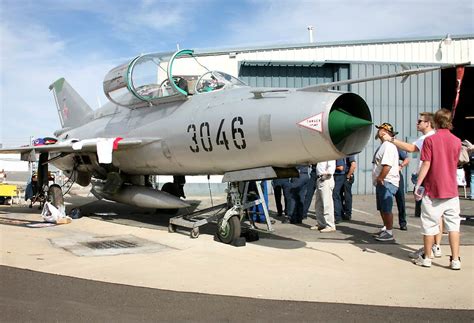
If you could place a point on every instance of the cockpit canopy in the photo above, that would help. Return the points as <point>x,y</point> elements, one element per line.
<point>149,79</point>
<point>215,80</point>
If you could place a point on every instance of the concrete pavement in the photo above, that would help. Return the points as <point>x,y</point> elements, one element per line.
<point>293,263</point>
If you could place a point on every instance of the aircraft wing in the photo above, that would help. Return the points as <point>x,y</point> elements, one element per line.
<point>87,145</point>
<point>405,74</point>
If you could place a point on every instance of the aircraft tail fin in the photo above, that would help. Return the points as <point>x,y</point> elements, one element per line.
<point>72,109</point>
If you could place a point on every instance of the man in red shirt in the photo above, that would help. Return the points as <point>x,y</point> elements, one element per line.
<point>439,156</point>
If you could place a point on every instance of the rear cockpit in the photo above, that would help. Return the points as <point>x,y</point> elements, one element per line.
<point>153,79</point>
<point>215,80</point>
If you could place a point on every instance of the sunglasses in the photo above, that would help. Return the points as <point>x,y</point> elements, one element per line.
<point>420,121</point>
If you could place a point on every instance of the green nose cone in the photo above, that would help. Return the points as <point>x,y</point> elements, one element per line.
<point>342,124</point>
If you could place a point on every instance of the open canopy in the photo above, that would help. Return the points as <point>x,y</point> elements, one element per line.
<point>151,79</point>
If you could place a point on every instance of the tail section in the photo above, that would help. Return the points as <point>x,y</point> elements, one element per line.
<point>72,109</point>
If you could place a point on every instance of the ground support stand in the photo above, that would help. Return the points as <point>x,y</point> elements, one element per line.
<point>261,200</point>
<point>229,223</point>
<point>195,220</point>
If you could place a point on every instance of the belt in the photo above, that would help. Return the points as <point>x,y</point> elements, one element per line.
<point>324,175</point>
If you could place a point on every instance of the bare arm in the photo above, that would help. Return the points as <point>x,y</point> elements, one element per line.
<point>425,167</point>
<point>351,169</point>
<point>383,174</point>
<point>404,163</point>
<point>411,148</point>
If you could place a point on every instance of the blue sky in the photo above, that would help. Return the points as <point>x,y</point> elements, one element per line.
<point>43,40</point>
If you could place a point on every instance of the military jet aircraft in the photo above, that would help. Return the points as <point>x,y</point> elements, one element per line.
<point>169,115</point>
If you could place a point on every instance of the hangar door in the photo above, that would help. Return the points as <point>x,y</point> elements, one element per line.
<point>292,74</point>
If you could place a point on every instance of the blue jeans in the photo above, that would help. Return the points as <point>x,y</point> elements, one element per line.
<point>298,187</point>
<point>384,196</point>
<point>310,188</point>
<point>347,205</point>
<point>337,196</point>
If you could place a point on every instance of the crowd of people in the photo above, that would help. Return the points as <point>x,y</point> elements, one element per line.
<point>436,189</point>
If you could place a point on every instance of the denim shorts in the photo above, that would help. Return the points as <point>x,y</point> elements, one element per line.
<point>384,196</point>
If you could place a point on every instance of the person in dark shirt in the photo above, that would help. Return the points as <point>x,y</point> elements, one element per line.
<point>342,194</point>
<point>400,196</point>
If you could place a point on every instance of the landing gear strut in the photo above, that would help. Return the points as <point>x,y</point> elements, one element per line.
<point>229,227</point>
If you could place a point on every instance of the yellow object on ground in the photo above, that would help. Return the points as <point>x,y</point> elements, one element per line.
<point>8,190</point>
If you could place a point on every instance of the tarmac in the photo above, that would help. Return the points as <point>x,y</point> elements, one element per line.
<point>291,263</point>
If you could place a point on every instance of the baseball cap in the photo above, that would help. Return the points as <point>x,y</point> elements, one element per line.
<point>387,126</point>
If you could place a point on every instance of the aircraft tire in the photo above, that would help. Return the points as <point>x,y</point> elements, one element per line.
<point>231,231</point>
<point>55,196</point>
<point>194,233</point>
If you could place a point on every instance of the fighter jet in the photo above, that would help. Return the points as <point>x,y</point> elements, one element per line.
<point>170,115</point>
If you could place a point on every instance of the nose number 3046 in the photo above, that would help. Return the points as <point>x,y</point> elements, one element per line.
<point>202,140</point>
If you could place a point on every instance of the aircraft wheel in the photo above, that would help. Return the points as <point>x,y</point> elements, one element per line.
<point>231,231</point>
<point>194,233</point>
<point>55,196</point>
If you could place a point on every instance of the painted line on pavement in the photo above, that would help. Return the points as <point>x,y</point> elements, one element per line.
<point>363,212</point>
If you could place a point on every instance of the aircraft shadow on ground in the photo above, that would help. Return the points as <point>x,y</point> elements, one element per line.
<point>159,220</point>
<point>120,213</point>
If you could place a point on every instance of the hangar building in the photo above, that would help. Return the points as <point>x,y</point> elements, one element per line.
<point>389,100</point>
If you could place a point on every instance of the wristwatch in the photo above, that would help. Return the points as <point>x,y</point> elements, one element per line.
<point>392,139</point>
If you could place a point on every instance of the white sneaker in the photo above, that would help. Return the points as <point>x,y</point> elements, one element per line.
<point>436,251</point>
<point>420,261</point>
<point>376,234</point>
<point>455,264</point>
<point>418,253</point>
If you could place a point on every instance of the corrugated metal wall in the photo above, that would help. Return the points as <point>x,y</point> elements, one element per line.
<point>424,51</point>
<point>389,100</point>
<point>395,102</point>
<point>291,74</point>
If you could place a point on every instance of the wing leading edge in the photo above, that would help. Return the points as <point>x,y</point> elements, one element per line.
<point>76,146</point>
<point>405,74</point>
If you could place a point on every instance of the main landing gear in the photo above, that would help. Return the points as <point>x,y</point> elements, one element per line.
<point>229,223</point>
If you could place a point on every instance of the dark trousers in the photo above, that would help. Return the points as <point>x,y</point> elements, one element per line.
<point>281,186</point>
<point>400,198</point>
<point>337,196</point>
<point>347,200</point>
<point>418,208</point>
<point>310,188</point>
<point>298,188</point>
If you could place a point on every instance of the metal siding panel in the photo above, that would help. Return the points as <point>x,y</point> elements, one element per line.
<point>291,76</point>
<point>275,77</point>
<point>388,100</point>
<point>394,102</point>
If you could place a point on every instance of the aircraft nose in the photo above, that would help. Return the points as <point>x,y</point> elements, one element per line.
<point>342,124</point>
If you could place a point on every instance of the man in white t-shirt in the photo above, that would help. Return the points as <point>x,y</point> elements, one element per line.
<point>324,202</point>
<point>425,125</point>
<point>385,178</point>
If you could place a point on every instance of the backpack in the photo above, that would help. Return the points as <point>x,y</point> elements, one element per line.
<point>466,150</point>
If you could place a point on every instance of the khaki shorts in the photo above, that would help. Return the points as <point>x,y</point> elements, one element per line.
<point>433,209</point>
